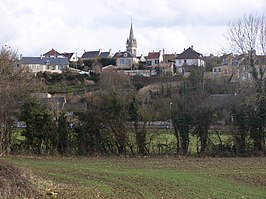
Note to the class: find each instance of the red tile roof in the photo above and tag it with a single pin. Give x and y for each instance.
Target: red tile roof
(51, 53)
(153, 55)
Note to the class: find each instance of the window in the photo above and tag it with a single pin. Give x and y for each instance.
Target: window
(53, 67)
(219, 70)
(149, 63)
(214, 70)
(122, 62)
(180, 61)
(185, 61)
(156, 61)
(128, 62)
(125, 54)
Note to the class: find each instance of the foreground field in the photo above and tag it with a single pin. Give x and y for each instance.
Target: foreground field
(173, 177)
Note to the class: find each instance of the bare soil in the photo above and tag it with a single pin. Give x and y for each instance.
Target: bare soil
(15, 182)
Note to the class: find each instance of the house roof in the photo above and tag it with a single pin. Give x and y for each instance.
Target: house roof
(51, 53)
(54, 102)
(124, 54)
(45, 60)
(104, 54)
(224, 101)
(153, 55)
(90, 54)
(68, 55)
(189, 54)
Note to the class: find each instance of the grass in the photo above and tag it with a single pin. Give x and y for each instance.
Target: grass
(171, 177)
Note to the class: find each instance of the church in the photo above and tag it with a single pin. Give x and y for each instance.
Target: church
(128, 59)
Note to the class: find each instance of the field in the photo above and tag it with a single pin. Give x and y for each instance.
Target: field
(148, 177)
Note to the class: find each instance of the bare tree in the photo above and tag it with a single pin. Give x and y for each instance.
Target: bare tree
(246, 36)
(15, 85)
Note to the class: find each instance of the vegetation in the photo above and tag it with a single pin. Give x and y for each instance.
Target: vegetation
(113, 177)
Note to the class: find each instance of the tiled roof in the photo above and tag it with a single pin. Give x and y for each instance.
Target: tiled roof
(90, 54)
(44, 60)
(51, 53)
(189, 54)
(55, 102)
(220, 101)
(153, 55)
(68, 55)
(104, 54)
(124, 54)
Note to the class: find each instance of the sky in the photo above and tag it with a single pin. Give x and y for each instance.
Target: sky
(34, 27)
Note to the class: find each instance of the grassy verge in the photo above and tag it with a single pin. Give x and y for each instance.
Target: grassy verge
(110, 177)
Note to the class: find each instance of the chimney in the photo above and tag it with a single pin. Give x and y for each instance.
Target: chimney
(41, 56)
(192, 47)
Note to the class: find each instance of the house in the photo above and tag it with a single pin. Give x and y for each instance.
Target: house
(52, 101)
(237, 67)
(96, 54)
(43, 64)
(168, 64)
(125, 60)
(154, 59)
(187, 59)
(72, 57)
(225, 71)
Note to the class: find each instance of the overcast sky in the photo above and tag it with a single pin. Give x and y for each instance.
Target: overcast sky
(33, 27)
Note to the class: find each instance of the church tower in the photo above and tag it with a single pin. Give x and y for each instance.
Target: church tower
(131, 43)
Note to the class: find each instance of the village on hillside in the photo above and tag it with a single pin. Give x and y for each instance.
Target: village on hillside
(155, 63)
(117, 93)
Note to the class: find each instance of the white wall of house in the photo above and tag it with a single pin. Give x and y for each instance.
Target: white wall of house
(35, 68)
(189, 62)
(74, 57)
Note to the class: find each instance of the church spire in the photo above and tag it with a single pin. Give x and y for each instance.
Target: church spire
(131, 35)
(132, 42)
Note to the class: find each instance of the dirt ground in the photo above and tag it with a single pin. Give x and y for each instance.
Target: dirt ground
(16, 183)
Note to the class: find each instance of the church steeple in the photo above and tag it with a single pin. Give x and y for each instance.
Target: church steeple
(132, 42)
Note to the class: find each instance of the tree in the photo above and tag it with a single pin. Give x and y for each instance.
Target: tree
(182, 119)
(241, 121)
(247, 36)
(37, 119)
(140, 116)
(203, 118)
(15, 86)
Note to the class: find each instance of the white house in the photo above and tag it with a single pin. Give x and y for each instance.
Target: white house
(42, 64)
(187, 59)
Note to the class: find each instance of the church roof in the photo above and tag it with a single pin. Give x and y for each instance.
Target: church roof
(131, 34)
